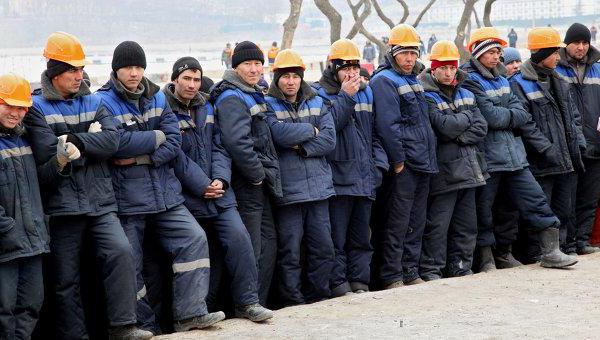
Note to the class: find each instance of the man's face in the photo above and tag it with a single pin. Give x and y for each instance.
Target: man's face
(490, 58)
(406, 60)
(289, 84)
(68, 83)
(130, 77)
(348, 71)
(188, 84)
(551, 61)
(513, 68)
(250, 71)
(445, 74)
(11, 116)
(578, 49)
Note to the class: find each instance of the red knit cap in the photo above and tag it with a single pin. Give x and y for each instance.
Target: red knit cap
(436, 63)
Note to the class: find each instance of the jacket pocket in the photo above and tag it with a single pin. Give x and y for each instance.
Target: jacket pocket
(103, 190)
(344, 172)
(457, 171)
(135, 193)
(10, 241)
(3, 173)
(497, 153)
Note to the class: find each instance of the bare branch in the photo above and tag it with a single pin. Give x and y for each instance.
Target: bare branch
(359, 19)
(418, 20)
(487, 10)
(459, 40)
(361, 28)
(334, 17)
(290, 24)
(382, 15)
(477, 21)
(405, 7)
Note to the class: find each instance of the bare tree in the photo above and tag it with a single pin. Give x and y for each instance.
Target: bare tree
(359, 19)
(290, 24)
(382, 15)
(487, 10)
(405, 7)
(334, 17)
(427, 7)
(459, 40)
(358, 23)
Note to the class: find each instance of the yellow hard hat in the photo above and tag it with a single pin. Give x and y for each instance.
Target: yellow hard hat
(288, 58)
(344, 49)
(543, 37)
(485, 33)
(444, 50)
(65, 47)
(404, 35)
(15, 90)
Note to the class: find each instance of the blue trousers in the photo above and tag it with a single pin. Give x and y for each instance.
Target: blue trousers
(403, 226)
(308, 222)
(588, 194)
(21, 296)
(350, 231)
(115, 256)
(184, 242)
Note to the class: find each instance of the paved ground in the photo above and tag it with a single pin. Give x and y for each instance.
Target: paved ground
(525, 302)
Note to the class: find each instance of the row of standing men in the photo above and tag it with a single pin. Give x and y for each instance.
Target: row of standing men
(132, 161)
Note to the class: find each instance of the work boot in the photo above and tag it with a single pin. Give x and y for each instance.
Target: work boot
(586, 250)
(552, 257)
(199, 322)
(486, 259)
(128, 332)
(504, 258)
(414, 282)
(360, 291)
(254, 312)
(393, 285)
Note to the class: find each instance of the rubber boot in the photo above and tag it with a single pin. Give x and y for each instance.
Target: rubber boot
(552, 257)
(254, 312)
(504, 258)
(199, 322)
(486, 259)
(128, 332)
(587, 250)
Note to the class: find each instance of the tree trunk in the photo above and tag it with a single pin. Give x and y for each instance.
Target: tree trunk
(459, 40)
(418, 20)
(334, 17)
(290, 24)
(405, 7)
(382, 15)
(358, 19)
(487, 10)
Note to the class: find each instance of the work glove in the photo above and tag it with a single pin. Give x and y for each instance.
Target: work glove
(160, 138)
(66, 151)
(95, 127)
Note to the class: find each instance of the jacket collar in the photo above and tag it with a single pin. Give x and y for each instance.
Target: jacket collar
(593, 56)
(50, 93)
(306, 92)
(499, 70)
(176, 104)
(149, 88)
(529, 72)
(331, 84)
(390, 63)
(429, 83)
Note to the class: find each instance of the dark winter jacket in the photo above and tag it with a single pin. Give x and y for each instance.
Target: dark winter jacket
(305, 173)
(201, 159)
(556, 115)
(358, 160)
(148, 186)
(241, 112)
(402, 117)
(369, 52)
(23, 231)
(84, 186)
(587, 97)
(507, 119)
(460, 130)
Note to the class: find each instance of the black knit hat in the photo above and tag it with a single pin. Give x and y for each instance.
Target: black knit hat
(541, 54)
(185, 63)
(246, 50)
(281, 71)
(578, 32)
(206, 84)
(55, 67)
(128, 53)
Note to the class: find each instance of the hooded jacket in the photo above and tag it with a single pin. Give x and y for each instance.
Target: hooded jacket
(23, 231)
(402, 117)
(201, 158)
(305, 173)
(358, 160)
(586, 95)
(460, 130)
(148, 186)
(241, 111)
(84, 185)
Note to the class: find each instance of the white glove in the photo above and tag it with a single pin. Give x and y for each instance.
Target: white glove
(67, 149)
(95, 127)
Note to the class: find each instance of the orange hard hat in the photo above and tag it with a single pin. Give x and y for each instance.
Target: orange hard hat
(404, 35)
(485, 33)
(65, 47)
(288, 58)
(543, 37)
(344, 49)
(15, 90)
(444, 50)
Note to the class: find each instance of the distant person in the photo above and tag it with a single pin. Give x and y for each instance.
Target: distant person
(593, 31)
(382, 53)
(369, 53)
(512, 38)
(273, 52)
(422, 48)
(511, 58)
(432, 40)
(226, 56)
